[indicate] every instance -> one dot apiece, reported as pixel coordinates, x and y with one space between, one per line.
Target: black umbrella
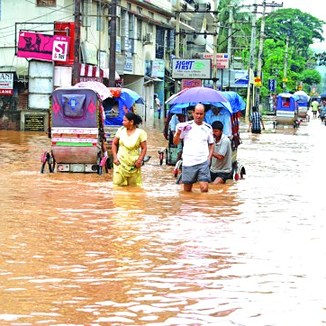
323 96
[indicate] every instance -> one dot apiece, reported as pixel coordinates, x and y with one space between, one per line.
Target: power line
41 16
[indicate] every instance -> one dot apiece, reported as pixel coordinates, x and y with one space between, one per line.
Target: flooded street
75 250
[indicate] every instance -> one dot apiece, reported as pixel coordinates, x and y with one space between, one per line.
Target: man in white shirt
157 106
198 146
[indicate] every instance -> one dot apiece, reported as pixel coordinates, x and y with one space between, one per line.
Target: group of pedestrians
318 107
206 150
206 154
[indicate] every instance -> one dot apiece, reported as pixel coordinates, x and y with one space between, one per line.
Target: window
99 20
124 26
150 28
46 3
139 29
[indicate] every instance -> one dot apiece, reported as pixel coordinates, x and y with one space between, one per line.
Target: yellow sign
257 82
285 80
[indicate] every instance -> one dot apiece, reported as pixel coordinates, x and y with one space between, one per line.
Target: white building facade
144 43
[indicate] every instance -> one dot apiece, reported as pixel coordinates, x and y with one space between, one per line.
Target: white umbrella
97 87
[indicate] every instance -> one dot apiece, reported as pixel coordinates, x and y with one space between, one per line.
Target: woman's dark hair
134 117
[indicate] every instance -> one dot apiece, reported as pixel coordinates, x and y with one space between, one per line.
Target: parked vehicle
76 131
287 110
302 99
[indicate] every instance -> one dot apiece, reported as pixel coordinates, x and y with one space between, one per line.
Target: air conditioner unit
148 38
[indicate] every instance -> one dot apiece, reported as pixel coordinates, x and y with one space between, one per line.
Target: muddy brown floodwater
77 251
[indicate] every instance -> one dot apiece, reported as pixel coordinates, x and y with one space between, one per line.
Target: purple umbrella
194 95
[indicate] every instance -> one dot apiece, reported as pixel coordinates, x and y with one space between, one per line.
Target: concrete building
29 71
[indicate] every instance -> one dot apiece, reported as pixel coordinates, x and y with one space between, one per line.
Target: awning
92 72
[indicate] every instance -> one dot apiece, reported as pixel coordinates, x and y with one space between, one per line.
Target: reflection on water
76 250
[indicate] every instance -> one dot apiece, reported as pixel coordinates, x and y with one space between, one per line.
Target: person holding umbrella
198 146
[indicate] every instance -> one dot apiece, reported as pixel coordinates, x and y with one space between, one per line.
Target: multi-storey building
144 41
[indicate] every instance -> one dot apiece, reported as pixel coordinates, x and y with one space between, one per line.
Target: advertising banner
43 47
191 69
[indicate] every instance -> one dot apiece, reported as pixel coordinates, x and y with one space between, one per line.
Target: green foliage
311 77
300 30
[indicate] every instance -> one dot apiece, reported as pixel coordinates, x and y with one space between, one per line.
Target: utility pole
230 32
260 54
76 64
286 62
261 45
177 40
214 55
250 90
113 37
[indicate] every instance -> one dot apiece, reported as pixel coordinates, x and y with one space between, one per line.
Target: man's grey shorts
196 173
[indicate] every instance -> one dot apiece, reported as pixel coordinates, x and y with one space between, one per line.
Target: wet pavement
75 250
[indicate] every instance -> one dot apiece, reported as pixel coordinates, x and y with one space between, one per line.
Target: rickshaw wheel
51 163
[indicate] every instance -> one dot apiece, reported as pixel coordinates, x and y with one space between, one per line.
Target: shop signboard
191 68
6 83
221 59
189 83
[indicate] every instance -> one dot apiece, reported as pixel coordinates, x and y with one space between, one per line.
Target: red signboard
66 29
6 92
188 83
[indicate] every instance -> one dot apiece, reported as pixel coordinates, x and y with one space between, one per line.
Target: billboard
191 69
42 46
